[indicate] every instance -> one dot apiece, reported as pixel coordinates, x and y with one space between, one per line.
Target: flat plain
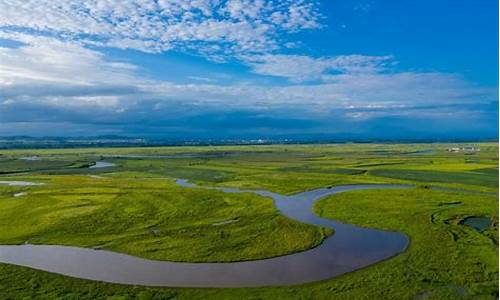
135 207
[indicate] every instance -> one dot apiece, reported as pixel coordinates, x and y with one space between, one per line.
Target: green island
135 207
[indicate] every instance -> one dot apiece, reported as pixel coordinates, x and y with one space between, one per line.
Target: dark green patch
472 178
309 169
487 171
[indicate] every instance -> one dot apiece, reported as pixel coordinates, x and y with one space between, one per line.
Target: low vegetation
445 259
152 218
136 208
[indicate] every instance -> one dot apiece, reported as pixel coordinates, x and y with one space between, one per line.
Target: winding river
349 249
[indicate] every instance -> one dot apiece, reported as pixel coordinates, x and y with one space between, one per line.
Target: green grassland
152 218
136 208
445 259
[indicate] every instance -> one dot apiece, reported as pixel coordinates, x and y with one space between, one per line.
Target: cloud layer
59 74
209 27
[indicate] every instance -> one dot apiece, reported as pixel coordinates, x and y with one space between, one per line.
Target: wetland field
398 221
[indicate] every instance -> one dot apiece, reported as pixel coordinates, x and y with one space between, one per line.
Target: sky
238 69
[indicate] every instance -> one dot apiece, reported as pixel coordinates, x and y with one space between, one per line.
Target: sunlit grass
152 218
136 208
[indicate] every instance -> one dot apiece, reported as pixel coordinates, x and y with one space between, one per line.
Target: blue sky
250 68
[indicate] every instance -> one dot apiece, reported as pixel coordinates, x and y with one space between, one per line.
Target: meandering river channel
348 249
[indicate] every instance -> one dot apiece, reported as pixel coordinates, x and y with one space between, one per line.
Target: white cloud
56 68
52 73
50 60
58 76
240 26
204 79
302 68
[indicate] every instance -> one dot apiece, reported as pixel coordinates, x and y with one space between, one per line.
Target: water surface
102 164
349 249
477 223
18 183
30 158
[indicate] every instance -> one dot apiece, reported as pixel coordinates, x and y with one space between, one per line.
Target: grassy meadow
136 208
152 218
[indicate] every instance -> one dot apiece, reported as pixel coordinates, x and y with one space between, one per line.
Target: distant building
471 149
465 149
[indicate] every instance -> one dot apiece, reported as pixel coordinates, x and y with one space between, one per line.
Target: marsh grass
136 208
152 218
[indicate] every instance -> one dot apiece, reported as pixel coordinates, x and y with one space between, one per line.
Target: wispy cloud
44 59
51 73
202 79
301 68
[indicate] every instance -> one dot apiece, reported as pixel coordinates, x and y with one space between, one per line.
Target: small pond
102 164
477 223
